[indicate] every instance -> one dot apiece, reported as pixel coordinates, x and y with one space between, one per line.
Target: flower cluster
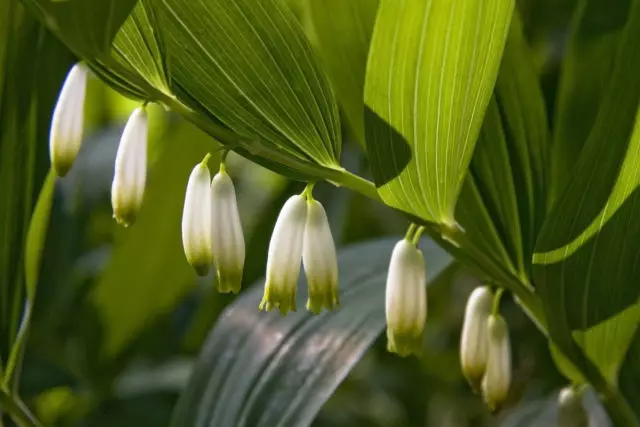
301 233
211 228
485 350
65 139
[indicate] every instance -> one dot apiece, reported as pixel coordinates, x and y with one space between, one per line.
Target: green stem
496 301
17 410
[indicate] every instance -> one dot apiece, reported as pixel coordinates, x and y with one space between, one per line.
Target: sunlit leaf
586 260
431 71
261 369
343 30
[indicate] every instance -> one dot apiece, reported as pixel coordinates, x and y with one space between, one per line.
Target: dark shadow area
602 277
389 152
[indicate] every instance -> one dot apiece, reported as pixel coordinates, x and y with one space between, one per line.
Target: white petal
196 220
285 255
227 238
67 122
320 260
406 299
571 412
497 379
474 338
130 174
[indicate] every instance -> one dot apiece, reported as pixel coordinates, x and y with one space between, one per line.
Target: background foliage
547 201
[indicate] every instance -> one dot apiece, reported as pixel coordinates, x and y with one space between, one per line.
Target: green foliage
428 83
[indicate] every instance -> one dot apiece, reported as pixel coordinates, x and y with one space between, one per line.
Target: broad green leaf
261 369
27 96
343 31
148 272
432 67
87 27
249 64
503 202
139 46
586 72
586 260
629 374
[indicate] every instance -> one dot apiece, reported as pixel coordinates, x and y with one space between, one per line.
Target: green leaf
586 71
586 259
139 46
87 27
503 203
249 64
27 96
261 369
343 31
431 70
148 272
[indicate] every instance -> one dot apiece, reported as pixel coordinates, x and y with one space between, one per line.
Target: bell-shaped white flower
285 256
130 174
226 233
67 122
571 412
497 378
320 260
474 338
196 219
406 300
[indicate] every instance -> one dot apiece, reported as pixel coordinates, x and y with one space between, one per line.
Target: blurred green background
120 316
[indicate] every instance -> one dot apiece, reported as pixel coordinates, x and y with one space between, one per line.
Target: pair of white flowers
485 350
301 233
211 228
66 135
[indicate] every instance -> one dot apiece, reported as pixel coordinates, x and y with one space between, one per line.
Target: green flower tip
229 282
284 302
404 345
318 301
125 217
201 269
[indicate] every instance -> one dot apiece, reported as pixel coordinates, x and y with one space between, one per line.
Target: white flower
196 219
285 255
571 412
226 233
497 378
406 300
474 338
65 135
130 174
319 260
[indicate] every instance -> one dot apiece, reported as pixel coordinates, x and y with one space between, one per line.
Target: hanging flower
319 260
474 338
285 254
497 378
406 299
196 219
65 136
226 233
130 174
571 412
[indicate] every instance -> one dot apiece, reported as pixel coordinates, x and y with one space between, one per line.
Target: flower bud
571 412
285 254
406 300
226 234
130 174
65 135
320 260
474 337
196 219
497 378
